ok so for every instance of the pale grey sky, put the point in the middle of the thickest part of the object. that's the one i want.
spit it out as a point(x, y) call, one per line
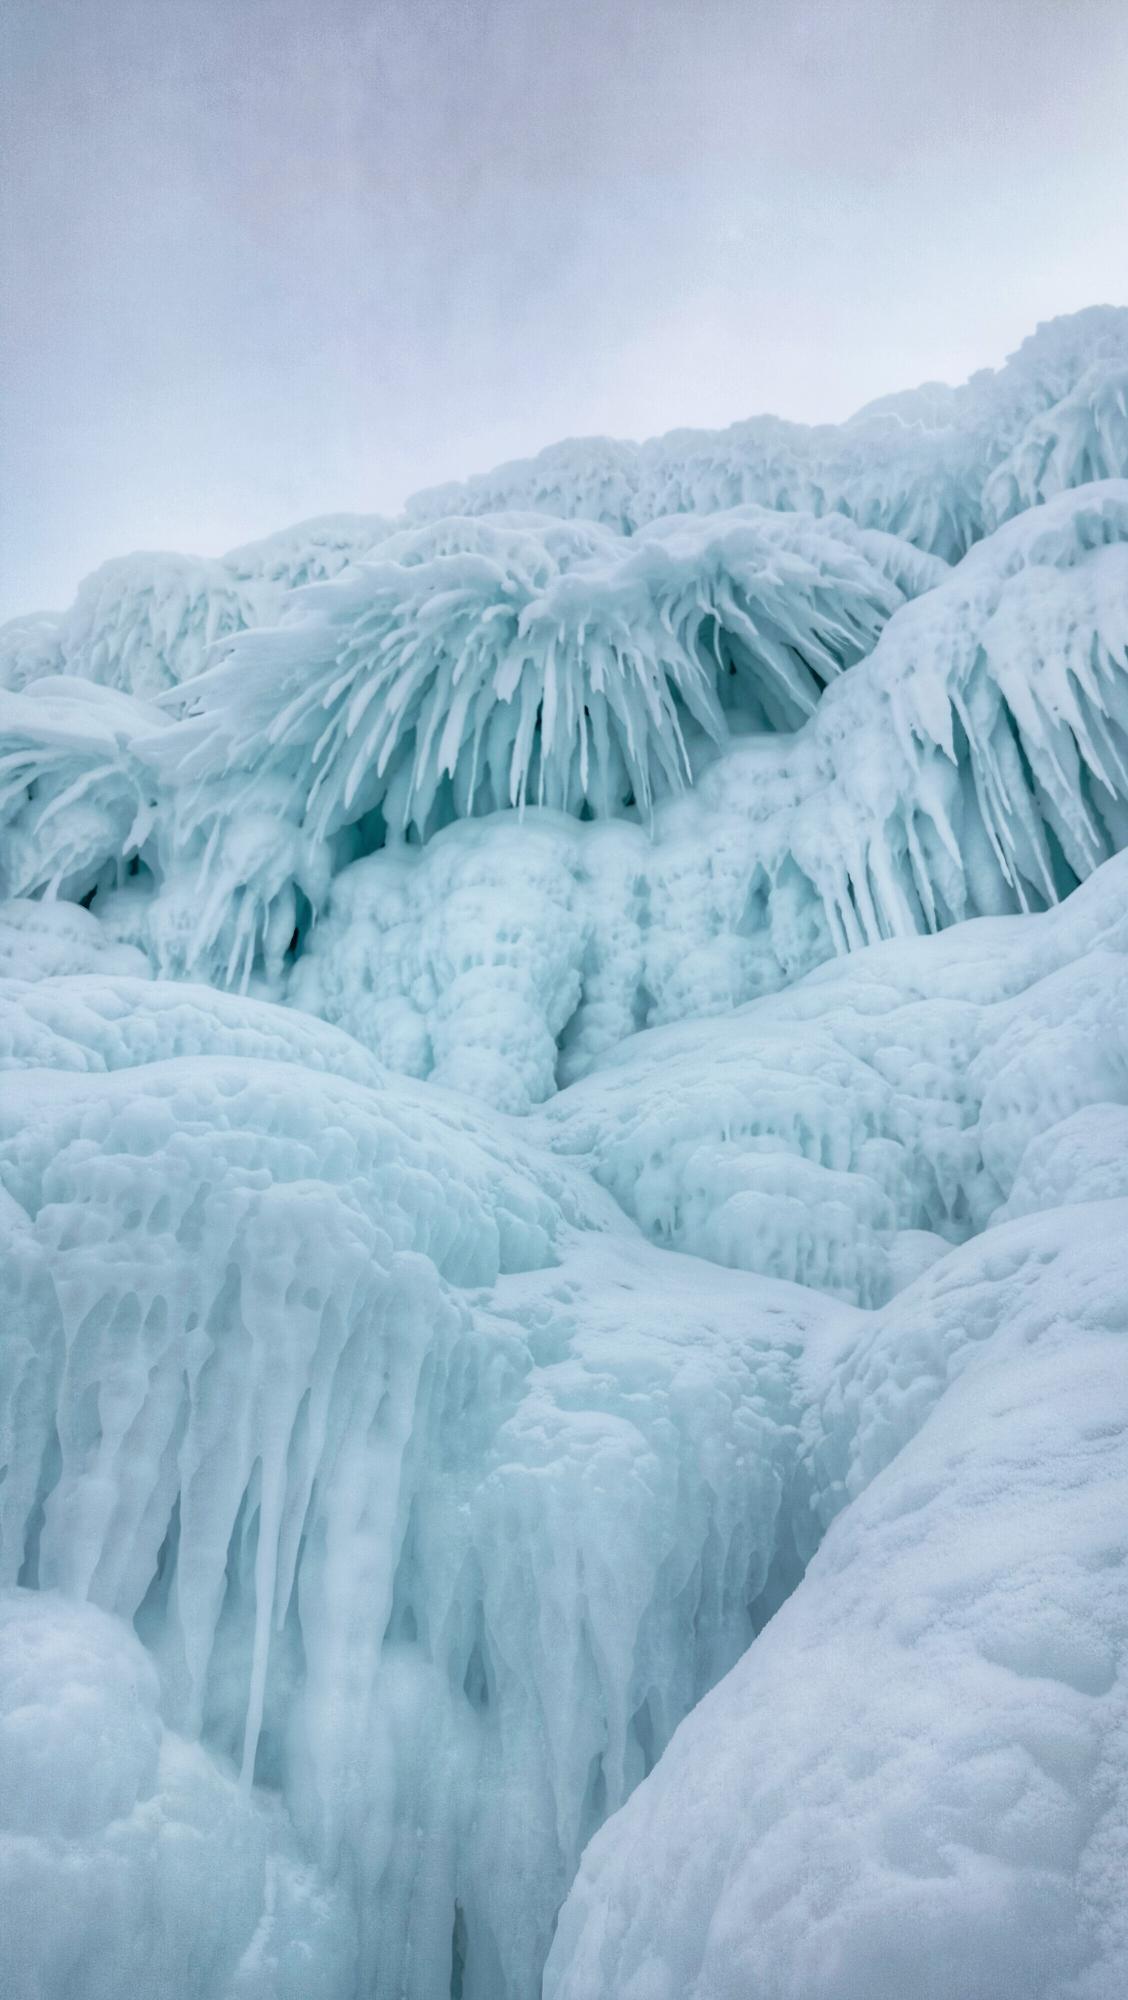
point(267, 258)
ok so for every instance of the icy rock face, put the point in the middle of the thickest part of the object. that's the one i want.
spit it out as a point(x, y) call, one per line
point(618, 1317)
point(914, 1780)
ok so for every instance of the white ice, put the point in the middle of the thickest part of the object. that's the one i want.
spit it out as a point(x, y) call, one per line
point(563, 1191)
point(915, 1781)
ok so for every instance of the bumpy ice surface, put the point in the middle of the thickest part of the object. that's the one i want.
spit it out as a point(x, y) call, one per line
point(563, 1183)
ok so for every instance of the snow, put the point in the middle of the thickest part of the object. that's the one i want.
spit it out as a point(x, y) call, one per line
point(915, 1779)
point(563, 1203)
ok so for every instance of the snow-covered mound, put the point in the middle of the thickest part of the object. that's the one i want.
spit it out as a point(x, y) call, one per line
point(571, 1426)
point(105, 1812)
point(915, 1780)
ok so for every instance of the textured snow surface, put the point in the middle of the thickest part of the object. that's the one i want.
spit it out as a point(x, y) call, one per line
point(915, 1780)
point(563, 1222)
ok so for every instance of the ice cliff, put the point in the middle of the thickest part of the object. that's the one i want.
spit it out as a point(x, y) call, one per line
point(564, 1192)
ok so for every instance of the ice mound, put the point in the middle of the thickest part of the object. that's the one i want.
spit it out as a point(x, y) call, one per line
point(77, 804)
point(178, 1884)
point(974, 762)
point(309, 552)
point(502, 664)
point(466, 667)
point(145, 623)
point(915, 1779)
point(29, 648)
point(39, 940)
point(580, 1398)
point(890, 1104)
point(1084, 437)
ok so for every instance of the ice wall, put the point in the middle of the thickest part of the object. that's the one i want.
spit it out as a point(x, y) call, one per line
point(938, 466)
point(561, 1182)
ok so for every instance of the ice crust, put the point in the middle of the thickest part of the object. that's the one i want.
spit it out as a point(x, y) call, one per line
point(563, 1204)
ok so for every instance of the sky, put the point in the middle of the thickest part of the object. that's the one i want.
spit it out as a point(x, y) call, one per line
point(262, 259)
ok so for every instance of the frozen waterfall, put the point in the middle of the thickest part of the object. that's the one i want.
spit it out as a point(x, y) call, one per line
point(564, 1204)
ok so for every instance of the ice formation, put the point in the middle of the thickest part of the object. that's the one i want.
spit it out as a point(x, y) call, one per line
point(916, 464)
point(914, 1781)
point(563, 1178)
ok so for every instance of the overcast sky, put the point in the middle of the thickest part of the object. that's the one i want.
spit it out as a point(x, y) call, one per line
point(268, 258)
